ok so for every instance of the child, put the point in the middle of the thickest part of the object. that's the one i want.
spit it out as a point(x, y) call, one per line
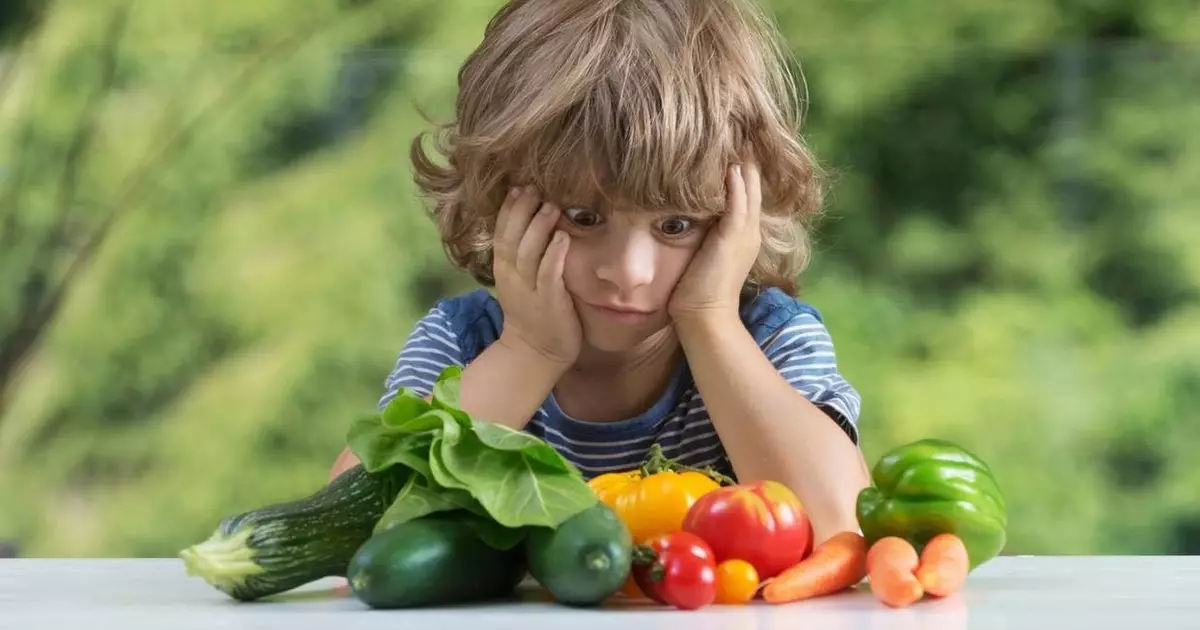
point(626, 175)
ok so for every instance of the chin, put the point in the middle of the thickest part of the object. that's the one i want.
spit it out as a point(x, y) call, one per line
point(620, 339)
point(613, 343)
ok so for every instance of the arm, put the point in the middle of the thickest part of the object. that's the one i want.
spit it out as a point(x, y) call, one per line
point(769, 429)
point(505, 384)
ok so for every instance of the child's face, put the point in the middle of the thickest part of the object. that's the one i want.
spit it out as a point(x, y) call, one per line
point(621, 269)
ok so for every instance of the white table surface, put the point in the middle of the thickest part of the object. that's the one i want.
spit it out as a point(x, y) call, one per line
point(1125, 593)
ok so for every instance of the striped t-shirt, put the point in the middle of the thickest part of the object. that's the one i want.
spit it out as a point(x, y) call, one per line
point(791, 334)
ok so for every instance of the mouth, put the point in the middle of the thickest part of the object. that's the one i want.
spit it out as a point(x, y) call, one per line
point(621, 313)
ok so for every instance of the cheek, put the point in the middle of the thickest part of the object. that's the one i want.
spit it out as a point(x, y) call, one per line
point(673, 263)
point(575, 268)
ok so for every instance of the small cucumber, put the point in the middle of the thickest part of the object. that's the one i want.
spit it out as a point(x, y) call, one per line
point(432, 560)
point(584, 560)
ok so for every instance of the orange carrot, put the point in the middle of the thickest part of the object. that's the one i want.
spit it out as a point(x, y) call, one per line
point(891, 564)
point(944, 565)
point(835, 565)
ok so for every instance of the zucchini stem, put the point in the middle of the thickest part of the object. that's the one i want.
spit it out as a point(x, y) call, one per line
point(597, 560)
point(223, 561)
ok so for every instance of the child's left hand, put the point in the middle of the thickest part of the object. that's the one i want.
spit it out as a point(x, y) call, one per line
point(715, 276)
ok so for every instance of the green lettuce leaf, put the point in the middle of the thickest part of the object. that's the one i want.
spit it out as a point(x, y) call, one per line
point(503, 438)
point(509, 479)
point(405, 406)
point(496, 535)
point(515, 491)
point(417, 498)
point(379, 447)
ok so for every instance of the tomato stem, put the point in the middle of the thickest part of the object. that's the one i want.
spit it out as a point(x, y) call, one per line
point(658, 462)
point(643, 554)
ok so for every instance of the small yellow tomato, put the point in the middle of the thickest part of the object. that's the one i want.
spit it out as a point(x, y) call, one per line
point(737, 582)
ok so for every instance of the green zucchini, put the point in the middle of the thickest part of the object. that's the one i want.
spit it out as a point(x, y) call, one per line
point(438, 559)
point(583, 561)
point(280, 547)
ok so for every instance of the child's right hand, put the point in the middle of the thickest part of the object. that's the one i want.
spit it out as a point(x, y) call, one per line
point(529, 255)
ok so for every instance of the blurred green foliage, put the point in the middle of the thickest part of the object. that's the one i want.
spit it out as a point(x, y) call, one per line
point(210, 249)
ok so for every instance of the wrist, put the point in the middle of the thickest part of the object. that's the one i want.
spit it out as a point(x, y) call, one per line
point(706, 323)
point(527, 358)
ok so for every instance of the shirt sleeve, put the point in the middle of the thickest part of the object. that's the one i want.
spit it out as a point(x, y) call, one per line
point(802, 350)
point(430, 348)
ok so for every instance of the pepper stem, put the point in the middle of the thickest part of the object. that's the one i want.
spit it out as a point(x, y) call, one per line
point(658, 462)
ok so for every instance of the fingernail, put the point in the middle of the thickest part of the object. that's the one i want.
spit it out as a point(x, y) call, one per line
point(737, 169)
point(546, 209)
point(513, 192)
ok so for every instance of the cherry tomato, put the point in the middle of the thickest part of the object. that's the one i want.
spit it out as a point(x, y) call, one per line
point(737, 582)
point(676, 569)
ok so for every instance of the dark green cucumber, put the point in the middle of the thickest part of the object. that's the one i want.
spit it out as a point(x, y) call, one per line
point(280, 547)
point(432, 560)
point(584, 560)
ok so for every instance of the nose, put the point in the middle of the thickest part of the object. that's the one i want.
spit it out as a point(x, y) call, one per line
point(628, 262)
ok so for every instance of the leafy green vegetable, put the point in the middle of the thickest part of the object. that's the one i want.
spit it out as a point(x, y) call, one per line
point(508, 479)
point(417, 499)
point(380, 447)
point(501, 437)
point(514, 490)
point(442, 475)
point(496, 535)
point(446, 389)
point(405, 406)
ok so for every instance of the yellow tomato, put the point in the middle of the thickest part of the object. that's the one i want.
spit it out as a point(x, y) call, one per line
point(737, 582)
point(655, 503)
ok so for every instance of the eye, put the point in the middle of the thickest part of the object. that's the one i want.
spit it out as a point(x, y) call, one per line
point(582, 217)
point(676, 226)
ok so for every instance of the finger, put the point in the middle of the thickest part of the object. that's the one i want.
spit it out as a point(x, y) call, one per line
point(753, 182)
point(550, 272)
point(512, 223)
point(735, 199)
point(533, 244)
point(502, 216)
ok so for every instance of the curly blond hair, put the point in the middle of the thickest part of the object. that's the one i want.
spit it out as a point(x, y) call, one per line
point(636, 103)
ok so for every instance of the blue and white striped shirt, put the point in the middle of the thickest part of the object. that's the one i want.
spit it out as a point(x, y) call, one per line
point(791, 334)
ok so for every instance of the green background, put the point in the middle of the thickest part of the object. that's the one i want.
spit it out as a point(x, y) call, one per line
point(210, 250)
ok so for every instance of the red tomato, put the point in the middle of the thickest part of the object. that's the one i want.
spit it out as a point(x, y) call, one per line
point(676, 569)
point(761, 523)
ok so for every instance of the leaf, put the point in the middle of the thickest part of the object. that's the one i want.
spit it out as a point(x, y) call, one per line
point(504, 438)
point(501, 437)
point(496, 535)
point(446, 388)
point(404, 407)
point(417, 499)
point(379, 447)
point(511, 488)
point(509, 477)
point(437, 468)
point(411, 450)
point(428, 422)
point(452, 426)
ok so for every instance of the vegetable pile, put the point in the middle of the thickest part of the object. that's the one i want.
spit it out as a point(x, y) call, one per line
point(443, 509)
point(447, 509)
point(932, 514)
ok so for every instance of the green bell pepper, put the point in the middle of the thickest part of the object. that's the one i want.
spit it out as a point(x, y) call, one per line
point(933, 486)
